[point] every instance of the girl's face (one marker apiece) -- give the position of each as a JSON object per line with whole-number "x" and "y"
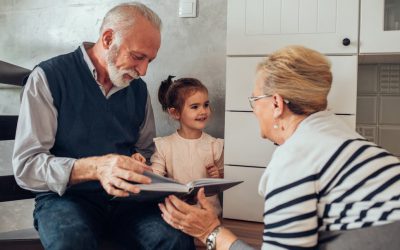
{"x": 195, "y": 111}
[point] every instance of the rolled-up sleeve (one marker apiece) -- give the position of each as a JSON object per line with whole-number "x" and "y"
{"x": 240, "y": 245}
{"x": 35, "y": 168}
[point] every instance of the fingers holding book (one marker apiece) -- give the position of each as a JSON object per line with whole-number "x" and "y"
{"x": 139, "y": 157}
{"x": 195, "y": 221}
{"x": 115, "y": 172}
{"x": 171, "y": 214}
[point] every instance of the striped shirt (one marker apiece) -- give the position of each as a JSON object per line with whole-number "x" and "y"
{"x": 326, "y": 177}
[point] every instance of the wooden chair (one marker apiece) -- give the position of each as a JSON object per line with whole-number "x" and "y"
{"x": 10, "y": 191}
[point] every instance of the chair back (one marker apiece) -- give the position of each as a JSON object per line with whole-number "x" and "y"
{"x": 9, "y": 189}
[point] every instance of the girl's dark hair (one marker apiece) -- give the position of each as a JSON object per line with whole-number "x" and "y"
{"x": 172, "y": 94}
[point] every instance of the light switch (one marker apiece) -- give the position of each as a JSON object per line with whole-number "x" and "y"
{"x": 187, "y": 8}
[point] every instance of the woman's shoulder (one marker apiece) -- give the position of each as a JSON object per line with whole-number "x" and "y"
{"x": 328, "y": 124}
{"x": 316, "y": 139}
{"x": 321, "y": 131}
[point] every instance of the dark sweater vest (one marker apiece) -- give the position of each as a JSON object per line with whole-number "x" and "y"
{"x": 88, "y": 123}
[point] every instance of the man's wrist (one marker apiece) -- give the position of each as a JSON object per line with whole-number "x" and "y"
{"x": 83, "y": 170}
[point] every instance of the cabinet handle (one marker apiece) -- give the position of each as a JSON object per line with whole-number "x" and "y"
{"x": 346, "y": 42}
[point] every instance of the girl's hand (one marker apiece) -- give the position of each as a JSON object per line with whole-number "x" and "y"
{"x": 213, "y": 171}
{"x": 139, "y": 157}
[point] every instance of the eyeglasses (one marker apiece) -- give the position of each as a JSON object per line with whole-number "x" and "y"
{"x": 252, "y": 99}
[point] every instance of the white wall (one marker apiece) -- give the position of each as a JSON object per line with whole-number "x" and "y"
{"x": 32, "y": 31}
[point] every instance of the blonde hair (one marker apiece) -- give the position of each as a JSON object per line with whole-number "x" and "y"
{"x": 300, "y": 75}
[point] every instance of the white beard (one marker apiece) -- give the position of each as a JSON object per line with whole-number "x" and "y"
{"x": 116, "y": 75}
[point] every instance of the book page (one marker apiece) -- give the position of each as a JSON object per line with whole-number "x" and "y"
{"x": 208, "y": 181}
{"x": 155, "y": 178}
{"x": 170, "y": 187}
{"x": 161, "y": 183}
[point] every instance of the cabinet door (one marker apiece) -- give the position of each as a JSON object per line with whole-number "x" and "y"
{"x": 243, "y": 201}
{"x": 259, "y": 27}
{"x": 342, "y": 99}
{"x": 380, "y": 26}
{"x": 243, "y": 143}
{"x": 240, "y": 78}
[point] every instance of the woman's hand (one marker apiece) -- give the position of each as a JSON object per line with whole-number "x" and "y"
{"x": 198, "y": 222}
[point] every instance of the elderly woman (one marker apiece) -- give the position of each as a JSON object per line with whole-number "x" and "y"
{"x": 325, "y": 187}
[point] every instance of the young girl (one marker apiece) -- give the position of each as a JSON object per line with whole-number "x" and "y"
{"x": 189, "y": 153}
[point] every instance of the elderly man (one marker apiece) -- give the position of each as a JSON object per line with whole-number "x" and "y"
{"x": 84, "y": 116}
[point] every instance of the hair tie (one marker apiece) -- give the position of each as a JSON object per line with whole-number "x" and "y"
{"x": 169, "y": 79}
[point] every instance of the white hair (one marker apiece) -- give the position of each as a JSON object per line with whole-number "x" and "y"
{"x": 122, "y": 17}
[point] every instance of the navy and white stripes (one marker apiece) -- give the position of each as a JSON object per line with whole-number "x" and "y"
{"x": 325, "y": 177}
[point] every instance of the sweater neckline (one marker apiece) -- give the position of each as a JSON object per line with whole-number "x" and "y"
{"x": 189, "y": 140}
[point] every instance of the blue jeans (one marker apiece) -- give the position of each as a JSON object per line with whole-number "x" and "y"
{"x": 79, "y": 220}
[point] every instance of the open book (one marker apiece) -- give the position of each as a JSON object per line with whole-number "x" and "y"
{"x": 160, "y": 187}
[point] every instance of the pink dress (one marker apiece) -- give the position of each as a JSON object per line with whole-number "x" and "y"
{"x": 185, "y": 160}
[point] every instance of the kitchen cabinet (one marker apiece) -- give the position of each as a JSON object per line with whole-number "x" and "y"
{"x": 243, "y": 201}
{"x": 380, "y": 26}
{"x": 259, "y": 27}
{"x": 244, "y": 145}
{"x": 256, "y": 28}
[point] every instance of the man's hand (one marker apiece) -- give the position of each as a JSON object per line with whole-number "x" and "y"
{"x": 115, "y": 172}
{"x": 213, "y": 171}
{"x": 139, "y": 157}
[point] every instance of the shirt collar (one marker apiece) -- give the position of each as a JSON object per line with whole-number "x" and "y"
{"x": 87, "y": 45}
{"x": 84, "y": 46}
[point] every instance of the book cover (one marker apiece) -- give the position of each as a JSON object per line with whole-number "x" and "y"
{"x": 160, "y": 187}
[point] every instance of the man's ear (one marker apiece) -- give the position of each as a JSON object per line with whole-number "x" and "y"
{"x": 174, "y": 113}
{"x": 107, "y": 38}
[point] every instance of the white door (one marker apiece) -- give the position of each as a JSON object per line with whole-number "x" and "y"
{"x": 342, "y": 99}
{"x": 243, "y": 143}
{"x": 240, "y": 78}
{"x": 259, "y": 27}
{"x": 380, "y": 26}
{"x": 243, "y": 201}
